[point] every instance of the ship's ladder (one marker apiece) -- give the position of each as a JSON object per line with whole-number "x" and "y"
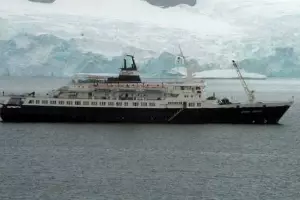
{"x": 175, "y": 114}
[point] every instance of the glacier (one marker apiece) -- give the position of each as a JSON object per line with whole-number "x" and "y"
{"x": 73, "y": 36}
{"x": 181, "y": 72}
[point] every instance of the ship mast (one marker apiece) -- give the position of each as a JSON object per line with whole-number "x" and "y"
{"x": 189, "y": 74}
{"x": 249, "y": 93}
{"x": 133, "y": 62}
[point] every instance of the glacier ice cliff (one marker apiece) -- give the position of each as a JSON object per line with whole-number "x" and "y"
{"x": 92, "y": 35}
{"x": 284, "y": 62}
{"x": 45, "y": 55}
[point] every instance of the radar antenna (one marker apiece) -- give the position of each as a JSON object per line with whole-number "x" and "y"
{"x": 249, "y": 93}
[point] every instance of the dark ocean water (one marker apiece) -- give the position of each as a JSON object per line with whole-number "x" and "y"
{"x": 115, "y": 161}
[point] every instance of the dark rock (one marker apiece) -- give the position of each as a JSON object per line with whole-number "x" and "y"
{"x": 159, "y": 3}
{"x": 43, "y": 1}
{"x": 171, "y": 3}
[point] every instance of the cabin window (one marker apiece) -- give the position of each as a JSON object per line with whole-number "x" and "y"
{"x": 199, "y": 104}
{"x": 135, "y": 104}
{"x": 37, "y": 101}
{"x": 30, "y": 102}
{"x": 94, "y": 103}
{"x": 151, "y": 104}
{"x": 86, "y": 103}
{"x": 103, "y": 103}
{"x": 191, "y": 104}
{"x": 69, "y": 102}
{"x": 144, "y": 104}
{"x": 77, "y": 102}
{"x": 52, "y": 102}
{"x": 72, "y": 96}
{"x": 125, "y": 103}
{"x": 119, "y": 103}
{"x": 111, "y": 103}
{"x": 44, "y": 102}
{"x": 175, "y": 103}
{"x": 61, "y": 102}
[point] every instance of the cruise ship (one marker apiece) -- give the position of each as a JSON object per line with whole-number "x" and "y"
{"x": 125, "y": 98}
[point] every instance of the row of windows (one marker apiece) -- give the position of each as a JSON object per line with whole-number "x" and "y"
{"x": 187, "y": 87}
{"x": 93, "y": 103}
{"x": 186, "y": 96}
{"x": 175, "y": 103}
{"x": 194, "y": 104}
{"x": 180, "y": 103}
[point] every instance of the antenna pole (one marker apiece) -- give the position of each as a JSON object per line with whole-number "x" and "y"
{"x": 125, "y": 64}
{"x": 249, "y": 93}
{"x": 188, "y": 74}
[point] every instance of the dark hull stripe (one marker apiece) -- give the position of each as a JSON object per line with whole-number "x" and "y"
{"x": 268, "y": 115}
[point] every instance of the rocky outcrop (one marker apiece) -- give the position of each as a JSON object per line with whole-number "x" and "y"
{"x": 159, "y": 3}
{"x": 43, "y": 1}
{"x": 171, "y": 3}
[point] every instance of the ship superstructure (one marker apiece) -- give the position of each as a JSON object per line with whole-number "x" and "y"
{"x": 126, "y": 98}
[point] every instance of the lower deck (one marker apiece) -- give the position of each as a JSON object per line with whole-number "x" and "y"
{"x": 234, "y": 115}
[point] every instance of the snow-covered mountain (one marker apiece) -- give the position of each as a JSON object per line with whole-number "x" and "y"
{"x": 70, "y": 36}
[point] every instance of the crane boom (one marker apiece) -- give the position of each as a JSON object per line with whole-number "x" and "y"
{"x": 249, "y": 93}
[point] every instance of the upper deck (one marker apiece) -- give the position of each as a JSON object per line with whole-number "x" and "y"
{"x": 98, "y": 81}
{"x": 129, "y": 79}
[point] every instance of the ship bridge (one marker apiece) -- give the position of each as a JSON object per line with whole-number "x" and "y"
{"x": 127, "y": 73}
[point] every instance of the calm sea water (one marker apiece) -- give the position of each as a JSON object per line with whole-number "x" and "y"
{"x": 116, "y": 161}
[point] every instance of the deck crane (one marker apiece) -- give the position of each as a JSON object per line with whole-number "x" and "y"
{"x": 249, "y": 93}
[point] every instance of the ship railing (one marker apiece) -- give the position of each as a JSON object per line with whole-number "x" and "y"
{"x": 24, "y": 95}
{"x": 128, "y": 85}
